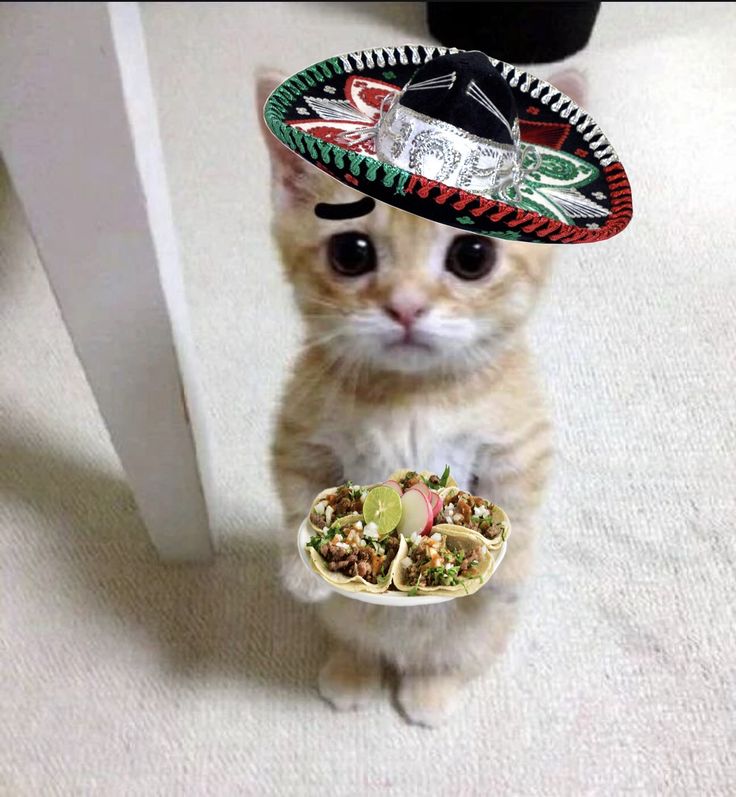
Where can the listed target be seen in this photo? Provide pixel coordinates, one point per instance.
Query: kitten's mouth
(409, 355)
(409, 344)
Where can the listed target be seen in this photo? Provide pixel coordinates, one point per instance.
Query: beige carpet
(122, 676)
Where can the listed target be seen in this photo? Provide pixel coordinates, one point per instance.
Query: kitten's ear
(289, 173)
(572, 83)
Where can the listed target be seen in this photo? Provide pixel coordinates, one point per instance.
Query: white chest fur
(376, 443)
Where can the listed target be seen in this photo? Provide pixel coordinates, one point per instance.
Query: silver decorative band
(445, 153)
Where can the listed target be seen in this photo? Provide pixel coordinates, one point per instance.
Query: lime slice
(382, 506)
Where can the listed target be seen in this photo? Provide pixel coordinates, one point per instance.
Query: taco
(463, 510)
(409, 478)
(450, 561)
(343, 503)
(352, 557)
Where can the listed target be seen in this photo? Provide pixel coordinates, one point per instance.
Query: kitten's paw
(429, 699)
(349, 682)
(302, 584)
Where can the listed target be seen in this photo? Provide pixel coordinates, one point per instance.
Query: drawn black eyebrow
(345, 210)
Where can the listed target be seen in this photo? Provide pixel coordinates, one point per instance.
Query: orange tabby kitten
(415, 357)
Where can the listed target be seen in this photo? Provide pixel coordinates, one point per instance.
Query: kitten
(415, 356)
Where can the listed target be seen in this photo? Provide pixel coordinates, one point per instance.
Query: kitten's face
(394, 292)
(399, 293)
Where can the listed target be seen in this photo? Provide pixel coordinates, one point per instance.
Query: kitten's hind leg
(350, 680)
(430, 699)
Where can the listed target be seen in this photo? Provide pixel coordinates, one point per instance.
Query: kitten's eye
(351, 254)
(470, 257)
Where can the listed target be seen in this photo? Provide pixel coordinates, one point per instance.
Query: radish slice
(416, 514)
(394, 486)
(436, 502)
(422, 487)
(430, 520)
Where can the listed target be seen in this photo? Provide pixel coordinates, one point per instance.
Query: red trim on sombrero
(370, 92)
(499, 215)
(547, 134)
(465, 199)
(443, 196)
(619, 217)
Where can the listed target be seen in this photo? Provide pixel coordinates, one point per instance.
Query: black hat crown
(466, 91)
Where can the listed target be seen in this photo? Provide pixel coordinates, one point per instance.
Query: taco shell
(341, 521)
(497, 516)
(457, 536)
(356, 583)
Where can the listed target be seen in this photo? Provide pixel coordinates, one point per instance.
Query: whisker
(322, 340)
(320, 300)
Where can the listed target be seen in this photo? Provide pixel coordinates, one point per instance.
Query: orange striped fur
(351, 411)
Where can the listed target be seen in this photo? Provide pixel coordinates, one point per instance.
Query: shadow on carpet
(229, 618)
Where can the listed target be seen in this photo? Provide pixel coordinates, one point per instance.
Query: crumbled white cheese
(449, 566)
(406, 562)
(481, 511)
(371, 530)
(362, 544)
(338, 536)
(329, 512)
(325, 529)
(359, 524)
(363, 495)
(450, 507)
(343, 545)
(437, 537)
(320, 507)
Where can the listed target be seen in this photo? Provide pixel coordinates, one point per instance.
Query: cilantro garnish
(438, 482)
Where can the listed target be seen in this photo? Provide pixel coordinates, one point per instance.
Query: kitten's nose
(405, 309)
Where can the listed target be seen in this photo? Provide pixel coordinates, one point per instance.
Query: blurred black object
(520, 33)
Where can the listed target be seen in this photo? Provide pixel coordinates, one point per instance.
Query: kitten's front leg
(300, 471)
(514, 473)
(514, 476)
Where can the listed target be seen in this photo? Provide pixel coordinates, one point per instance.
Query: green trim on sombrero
(540, 216)
(274, 118)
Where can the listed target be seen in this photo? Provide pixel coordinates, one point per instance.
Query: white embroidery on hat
(476, 93)
(335, 109)
(440, 82)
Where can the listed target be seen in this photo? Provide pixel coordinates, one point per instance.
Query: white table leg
(79, 134)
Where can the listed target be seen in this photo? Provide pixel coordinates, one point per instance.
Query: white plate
(383, 598)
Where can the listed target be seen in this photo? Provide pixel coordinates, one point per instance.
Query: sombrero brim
(579, 194)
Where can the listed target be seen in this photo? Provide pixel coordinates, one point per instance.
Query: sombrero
(457, 137)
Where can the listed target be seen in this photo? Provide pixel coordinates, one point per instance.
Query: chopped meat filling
(349, 552)
(431, 562)
(411, 478)
(471, 512)
(346, 500)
